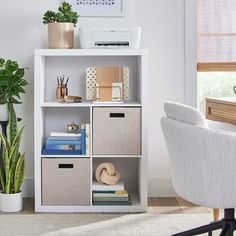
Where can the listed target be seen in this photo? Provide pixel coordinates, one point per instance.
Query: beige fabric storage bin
(116, 131)
(66, 181)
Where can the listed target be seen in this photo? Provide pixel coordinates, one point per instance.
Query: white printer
(110, 37)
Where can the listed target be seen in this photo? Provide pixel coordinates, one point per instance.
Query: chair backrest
(185, 114)
(203, 162)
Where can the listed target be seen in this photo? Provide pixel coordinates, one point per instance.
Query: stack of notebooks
(110, 194)
(59, 143)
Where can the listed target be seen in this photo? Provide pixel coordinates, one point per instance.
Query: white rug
(139, 225)
(99, 224)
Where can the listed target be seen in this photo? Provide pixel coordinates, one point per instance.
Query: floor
(174, 206)
(156, 206)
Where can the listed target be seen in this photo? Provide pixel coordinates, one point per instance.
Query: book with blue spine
(83, 139)
(64, 142)
(63, 147)
(60, 152)
(87, 141)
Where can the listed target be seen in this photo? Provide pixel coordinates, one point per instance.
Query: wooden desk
(224, 110)
(221, 109)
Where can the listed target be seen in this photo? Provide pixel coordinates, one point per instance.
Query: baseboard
(28, 187)
(160, 187)
(157, 187)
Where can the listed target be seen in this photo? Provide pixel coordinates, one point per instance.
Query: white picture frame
(99, 8)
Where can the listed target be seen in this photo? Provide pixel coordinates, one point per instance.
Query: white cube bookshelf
(53, 116)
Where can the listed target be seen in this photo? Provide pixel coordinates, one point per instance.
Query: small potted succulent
(61, 26)
(11, 85)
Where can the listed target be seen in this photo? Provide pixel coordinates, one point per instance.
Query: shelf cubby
(57, 118)
(75, 69)
(128, 169)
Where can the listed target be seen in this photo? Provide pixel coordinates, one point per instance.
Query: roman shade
(216, 35)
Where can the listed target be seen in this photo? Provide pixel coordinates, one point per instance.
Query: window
(216, 49)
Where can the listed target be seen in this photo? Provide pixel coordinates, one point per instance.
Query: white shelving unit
(49, 115)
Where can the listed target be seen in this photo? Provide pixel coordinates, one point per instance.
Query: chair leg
(225, 231)
(216, 214)
(229, 221)
(230, 233)
(200, 230)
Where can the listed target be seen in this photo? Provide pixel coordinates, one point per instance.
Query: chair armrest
(221, 125)
(203, 162)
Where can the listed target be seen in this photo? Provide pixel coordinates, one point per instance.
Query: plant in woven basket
(12, 171)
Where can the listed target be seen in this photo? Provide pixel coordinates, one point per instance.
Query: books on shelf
(108, 203)
(111, 199)
(83, 139)
(64, 142)
(104, 187)
(64, 134)
(63, 147)
(60, 152)
(63, 138)
(61, 143)
(87, 134)
(110, 194)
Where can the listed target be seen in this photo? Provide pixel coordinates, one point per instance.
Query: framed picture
(101, 8)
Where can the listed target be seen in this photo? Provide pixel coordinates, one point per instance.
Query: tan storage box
(65, 181)
(116, 131)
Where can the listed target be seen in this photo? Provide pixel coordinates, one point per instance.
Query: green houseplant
(11, 85)
(12, 170)
(61, 26)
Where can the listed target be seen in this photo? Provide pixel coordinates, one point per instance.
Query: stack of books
(110, 194)
(60, 143)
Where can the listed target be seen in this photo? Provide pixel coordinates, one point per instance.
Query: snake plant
(13, 169)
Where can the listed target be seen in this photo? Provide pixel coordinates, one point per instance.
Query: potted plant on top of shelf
(12, 168)
(61, 26)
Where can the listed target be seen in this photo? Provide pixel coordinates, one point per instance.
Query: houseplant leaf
(19, 173)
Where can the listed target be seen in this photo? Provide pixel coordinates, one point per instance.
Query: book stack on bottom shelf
(110, 194)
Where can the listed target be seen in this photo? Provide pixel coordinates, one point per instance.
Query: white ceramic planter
(3, 112)
(11, 202)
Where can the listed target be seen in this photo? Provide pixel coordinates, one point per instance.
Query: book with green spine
(111, 199)
(120, 203)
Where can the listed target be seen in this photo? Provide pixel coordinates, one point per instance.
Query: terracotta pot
(11, 202)
(60, 35)
(3, 112)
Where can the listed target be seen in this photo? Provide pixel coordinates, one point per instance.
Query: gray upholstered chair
(203, 162)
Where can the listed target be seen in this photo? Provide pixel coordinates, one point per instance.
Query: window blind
(216, 35)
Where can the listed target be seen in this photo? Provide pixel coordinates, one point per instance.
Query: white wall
(21, 31)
